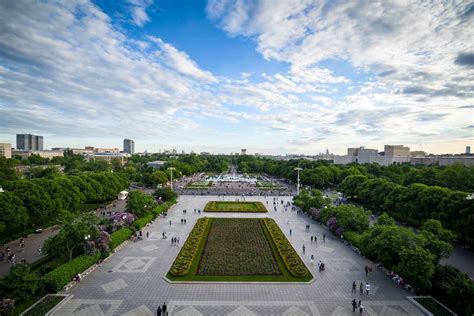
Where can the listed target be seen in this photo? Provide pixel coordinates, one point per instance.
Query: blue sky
(219, 75)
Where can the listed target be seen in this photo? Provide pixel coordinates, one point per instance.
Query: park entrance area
(238, 250)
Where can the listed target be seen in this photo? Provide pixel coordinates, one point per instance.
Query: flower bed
(184, 260)
(235, 207)
(292, 261)
(236, 247)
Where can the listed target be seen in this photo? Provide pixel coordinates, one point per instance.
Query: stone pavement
(132, 281)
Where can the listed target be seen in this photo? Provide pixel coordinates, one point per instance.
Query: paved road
(30, 252)
(131, 282)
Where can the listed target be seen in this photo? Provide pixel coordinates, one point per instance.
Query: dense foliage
(119, 237)
(59, 277)
(139, 203)
(20, 284)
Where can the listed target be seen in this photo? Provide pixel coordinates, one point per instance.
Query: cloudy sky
(286, 76)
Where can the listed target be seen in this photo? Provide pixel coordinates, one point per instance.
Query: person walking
(147, 235)
(163, 308)
(170, 222)
(361, 288)
(324, 237)
(354, 287)
(361, 308)
(304, 248)
(315, 238)
(367, 288)
(354, 305)
(158, 311)
(312, 260)
(366, 270)
(290, 232)
(312, 239)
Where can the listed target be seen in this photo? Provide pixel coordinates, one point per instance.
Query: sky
(274, 77)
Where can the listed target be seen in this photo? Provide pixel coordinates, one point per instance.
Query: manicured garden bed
(46, 304)
(238, 250)
(199, 185)
(433, 306)
(235, 207)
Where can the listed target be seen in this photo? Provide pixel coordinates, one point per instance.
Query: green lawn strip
(45, 305)
(193, 276)
(235, 207)
(434, 307)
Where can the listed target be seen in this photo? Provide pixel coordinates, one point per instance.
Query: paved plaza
(132, 282)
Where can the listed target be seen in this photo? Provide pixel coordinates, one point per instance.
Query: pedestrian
(312, 260)
(304, 248)
(185, 221)
(354, 287)
(182, 221)
(366, 270)
(361, 308)
(290, 231)
(324, 237)
(367, 288)
(315, 239)
(319, 265)
(158, 311)
(312, 239)
(170, 222)
(163, 235)
(361, 288)
(164, 309)
(147, 234)
(354, 305)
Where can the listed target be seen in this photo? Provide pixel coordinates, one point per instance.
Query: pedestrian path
(132, 280)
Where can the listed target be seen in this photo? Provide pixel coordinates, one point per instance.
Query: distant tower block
(468, 150)
(243, 152)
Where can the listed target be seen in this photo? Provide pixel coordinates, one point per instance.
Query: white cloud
(138, 11)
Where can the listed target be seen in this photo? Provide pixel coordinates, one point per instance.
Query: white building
(5, 150)
(157, 164)
(393, 154)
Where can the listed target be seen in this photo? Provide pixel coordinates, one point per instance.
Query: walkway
(131, 281)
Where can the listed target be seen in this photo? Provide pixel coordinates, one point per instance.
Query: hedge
(352, 237)
(182, 264)
(62, 275)
(119, 237)
(293, 262)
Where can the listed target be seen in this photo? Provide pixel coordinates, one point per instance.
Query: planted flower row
(182, 264)
(293, 262)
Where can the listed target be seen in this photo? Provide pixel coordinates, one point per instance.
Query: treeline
(321, 174)
(38, 201)
(416, 201)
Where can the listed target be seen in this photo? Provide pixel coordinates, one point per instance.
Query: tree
(72, 236)
(385, 219)
(434, 226)
(13, 212)
(416, 264)
(351, 185)
(166, 194)
(20, 284)
(139, 203)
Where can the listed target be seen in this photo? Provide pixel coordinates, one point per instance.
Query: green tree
(416, 264)
(139, 203)
(352, 184)
(71, 239)
(20, 284)
(385, 219)
(165, 195)
(13, 212)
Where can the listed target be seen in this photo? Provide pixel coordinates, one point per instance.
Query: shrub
(293, 262)
(119, 237)
(59, 277)
(20, 284)
(352, 237)
(182, 264)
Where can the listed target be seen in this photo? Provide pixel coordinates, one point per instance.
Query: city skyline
(218, 76)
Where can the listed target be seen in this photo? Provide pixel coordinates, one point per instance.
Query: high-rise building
(128, 146)
(29, 142)
(468, 150)
(5, 150)
(243, 151)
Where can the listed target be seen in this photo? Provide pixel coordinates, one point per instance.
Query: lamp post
(171, 169)
(298, 169)
(86, 238)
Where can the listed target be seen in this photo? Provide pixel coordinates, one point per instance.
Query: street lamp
(86, 238)
(298, 169)
(171, 169)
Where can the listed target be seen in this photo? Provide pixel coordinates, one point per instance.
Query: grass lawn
(199, 185)
(237, 207)
(238, 250)
(45, 305)
(434, 307)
